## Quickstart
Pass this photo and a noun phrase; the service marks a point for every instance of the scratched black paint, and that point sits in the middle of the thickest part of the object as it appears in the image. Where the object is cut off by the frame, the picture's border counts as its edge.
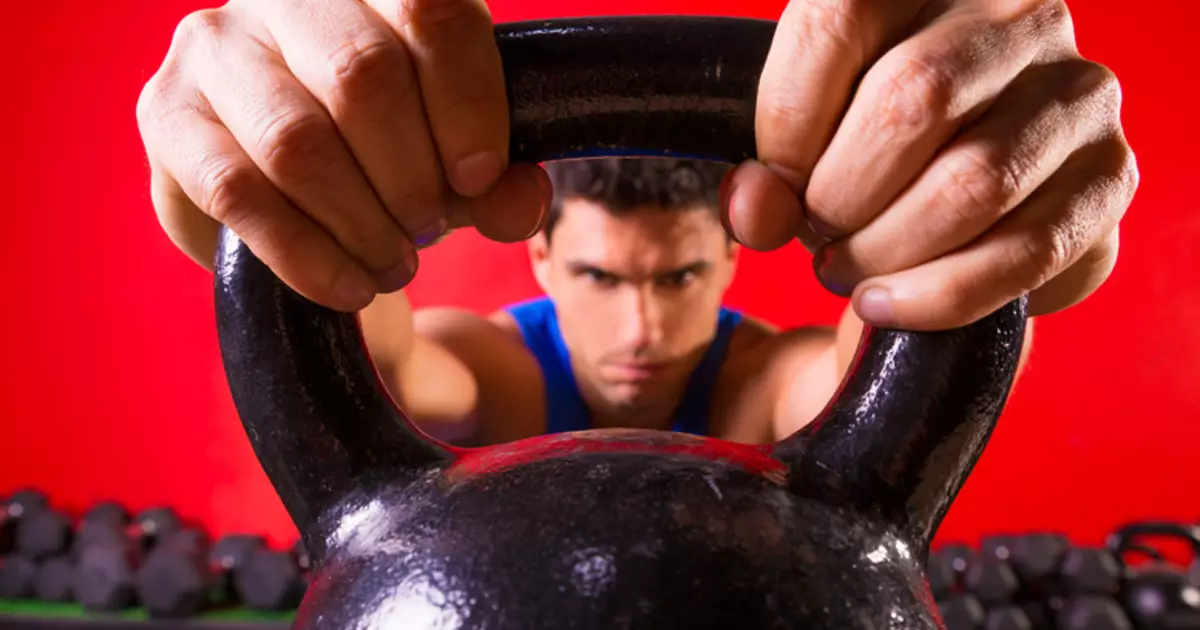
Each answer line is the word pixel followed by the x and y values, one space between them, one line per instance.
pixel 575 537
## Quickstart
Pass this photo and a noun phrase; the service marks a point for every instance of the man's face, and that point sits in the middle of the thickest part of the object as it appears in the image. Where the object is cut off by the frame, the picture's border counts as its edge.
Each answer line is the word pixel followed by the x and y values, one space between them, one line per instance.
pixel 637 296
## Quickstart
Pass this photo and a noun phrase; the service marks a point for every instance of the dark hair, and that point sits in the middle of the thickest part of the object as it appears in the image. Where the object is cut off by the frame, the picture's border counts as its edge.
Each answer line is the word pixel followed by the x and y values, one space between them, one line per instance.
pixel 622 185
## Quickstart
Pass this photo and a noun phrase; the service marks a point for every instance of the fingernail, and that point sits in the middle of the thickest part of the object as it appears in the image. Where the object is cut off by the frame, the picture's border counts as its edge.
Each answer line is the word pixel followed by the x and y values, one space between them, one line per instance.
pixel 354 289
pixel 875 307
pixel 833 273
pixel 429 234
pixel 821 228
pixel 399 276
pixel 475 174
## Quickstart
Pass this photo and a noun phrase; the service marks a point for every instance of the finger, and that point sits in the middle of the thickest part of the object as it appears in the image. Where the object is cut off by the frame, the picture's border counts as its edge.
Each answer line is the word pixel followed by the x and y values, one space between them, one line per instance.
pixel 293 141
pixel 453 47
pixel 454 55
pixel 759 210
pixel 1078 207
pixel 983 174
pixel 502 214
pixel 819 50
pixel 352 62
pixel 1079 280
pixel 220 184
pixel 186 225
pixel 914 99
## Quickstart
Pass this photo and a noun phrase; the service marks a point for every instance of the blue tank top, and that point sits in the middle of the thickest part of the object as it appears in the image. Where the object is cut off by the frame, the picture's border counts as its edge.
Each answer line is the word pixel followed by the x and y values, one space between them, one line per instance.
pixel 565 408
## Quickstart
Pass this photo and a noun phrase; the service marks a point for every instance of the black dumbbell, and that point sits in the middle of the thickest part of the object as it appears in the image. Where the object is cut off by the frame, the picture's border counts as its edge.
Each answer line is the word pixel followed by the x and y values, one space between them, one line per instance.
pixel 1036 559
pixel 104 574
pixel 1092 612
pixel 961 556
pixel 992 581
pixel 227 557
pixel 154 524
pixel 21 504
pixel 303 560
pixel 44 534
pixel 271 580
pixel 1090 571
pixel 175 581
pixel 943 579
pixel 55 578
pixel 962 612
pixel 1007 618
pixel 997 547
pixel 17 574
pixel 103 522
pixel 1159 595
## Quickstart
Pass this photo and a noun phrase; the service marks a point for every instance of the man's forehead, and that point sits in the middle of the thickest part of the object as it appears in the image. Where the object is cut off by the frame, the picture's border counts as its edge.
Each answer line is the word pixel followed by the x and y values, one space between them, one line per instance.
pixel 643 242
pixel 583 220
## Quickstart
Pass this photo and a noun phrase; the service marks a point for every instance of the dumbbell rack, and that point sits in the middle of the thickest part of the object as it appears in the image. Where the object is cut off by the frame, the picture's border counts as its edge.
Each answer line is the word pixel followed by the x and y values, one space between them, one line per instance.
pixel 109 570
pixel 34 615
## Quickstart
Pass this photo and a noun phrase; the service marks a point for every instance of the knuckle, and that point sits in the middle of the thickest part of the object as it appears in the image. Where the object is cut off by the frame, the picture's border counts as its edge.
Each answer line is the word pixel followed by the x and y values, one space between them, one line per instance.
pixel 200 26
pixel 439 18
pixel 919 92
pixel 983 182
pixel 1043 254
pixel 226 189
pixel 365 66
pixel 1121 169
pixel 295 145
pixel 836 26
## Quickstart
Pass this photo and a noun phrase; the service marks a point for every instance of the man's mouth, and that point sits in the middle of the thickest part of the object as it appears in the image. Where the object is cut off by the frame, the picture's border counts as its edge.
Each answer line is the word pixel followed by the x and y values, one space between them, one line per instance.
pixel 638 371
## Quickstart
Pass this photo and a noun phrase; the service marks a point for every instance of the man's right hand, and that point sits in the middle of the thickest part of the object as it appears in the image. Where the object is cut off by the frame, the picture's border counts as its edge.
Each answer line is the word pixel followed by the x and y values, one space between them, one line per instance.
pixel 335 138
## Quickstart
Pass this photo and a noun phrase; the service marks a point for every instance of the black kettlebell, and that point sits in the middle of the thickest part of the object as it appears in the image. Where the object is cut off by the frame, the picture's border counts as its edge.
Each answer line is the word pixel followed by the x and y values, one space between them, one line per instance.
pixel 613 529
pixel 1159 595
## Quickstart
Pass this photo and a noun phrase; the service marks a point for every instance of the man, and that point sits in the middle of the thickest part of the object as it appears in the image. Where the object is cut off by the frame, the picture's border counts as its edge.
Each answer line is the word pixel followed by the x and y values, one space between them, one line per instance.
pixel 940 157
pixel 634 262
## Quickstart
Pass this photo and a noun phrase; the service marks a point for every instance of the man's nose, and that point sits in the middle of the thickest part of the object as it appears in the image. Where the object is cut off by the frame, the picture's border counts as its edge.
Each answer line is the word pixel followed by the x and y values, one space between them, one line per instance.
pixel 641 319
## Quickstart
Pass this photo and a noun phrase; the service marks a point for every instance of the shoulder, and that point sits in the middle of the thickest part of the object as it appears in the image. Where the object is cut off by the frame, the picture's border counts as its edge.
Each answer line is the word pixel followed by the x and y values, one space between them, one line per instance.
pixel 507 376
pixel 764 364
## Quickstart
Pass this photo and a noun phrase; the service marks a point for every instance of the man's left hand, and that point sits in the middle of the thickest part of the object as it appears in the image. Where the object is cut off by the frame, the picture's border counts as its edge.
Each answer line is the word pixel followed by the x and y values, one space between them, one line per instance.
pixel 939 157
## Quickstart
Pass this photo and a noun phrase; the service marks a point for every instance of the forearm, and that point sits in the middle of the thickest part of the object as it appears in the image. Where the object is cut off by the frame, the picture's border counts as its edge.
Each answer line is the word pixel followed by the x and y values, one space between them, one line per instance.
pixel 387 326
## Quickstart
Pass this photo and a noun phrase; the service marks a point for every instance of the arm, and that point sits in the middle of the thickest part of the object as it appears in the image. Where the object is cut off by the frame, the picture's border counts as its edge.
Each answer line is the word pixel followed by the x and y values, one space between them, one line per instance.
pixel 807 368
pixel 449 366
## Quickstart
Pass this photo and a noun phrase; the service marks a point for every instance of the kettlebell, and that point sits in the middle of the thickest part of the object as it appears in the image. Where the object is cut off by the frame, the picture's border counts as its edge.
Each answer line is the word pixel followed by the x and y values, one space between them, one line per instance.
pixel 1159 595
pixel 613 529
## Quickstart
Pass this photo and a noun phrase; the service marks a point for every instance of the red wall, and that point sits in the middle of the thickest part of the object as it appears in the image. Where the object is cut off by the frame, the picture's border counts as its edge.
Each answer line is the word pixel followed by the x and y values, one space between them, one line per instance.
pixel 112 385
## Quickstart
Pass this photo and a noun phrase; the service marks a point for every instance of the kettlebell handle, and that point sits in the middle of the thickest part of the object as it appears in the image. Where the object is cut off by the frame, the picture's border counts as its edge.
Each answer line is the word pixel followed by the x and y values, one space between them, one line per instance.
pixel 1124 539
pixel 903 431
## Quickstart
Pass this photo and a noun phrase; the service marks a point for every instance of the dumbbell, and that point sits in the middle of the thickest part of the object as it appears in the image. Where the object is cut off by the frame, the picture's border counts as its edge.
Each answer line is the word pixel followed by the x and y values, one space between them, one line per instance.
pixel 1036 558
pixel 942 577
pixel 21 504
pixel 1160 595
pixel 227 557
pixel 105 570
pixel 962 612
pixel 44 534
pixel 271 580
pixel 17 575
pixel 175 581
pixel 103 522
pixel 1090 571
pixel 55 579
pixel 992 581
pixel 1092 612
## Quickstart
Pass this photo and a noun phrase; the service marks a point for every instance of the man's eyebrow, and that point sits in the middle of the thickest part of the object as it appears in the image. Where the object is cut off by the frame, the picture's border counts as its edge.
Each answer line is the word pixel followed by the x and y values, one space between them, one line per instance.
pixel 695 266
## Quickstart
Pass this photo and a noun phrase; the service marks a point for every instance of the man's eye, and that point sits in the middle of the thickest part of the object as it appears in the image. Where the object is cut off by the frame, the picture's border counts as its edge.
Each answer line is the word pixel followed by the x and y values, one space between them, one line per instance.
pixel 599 277
pixel 679 279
